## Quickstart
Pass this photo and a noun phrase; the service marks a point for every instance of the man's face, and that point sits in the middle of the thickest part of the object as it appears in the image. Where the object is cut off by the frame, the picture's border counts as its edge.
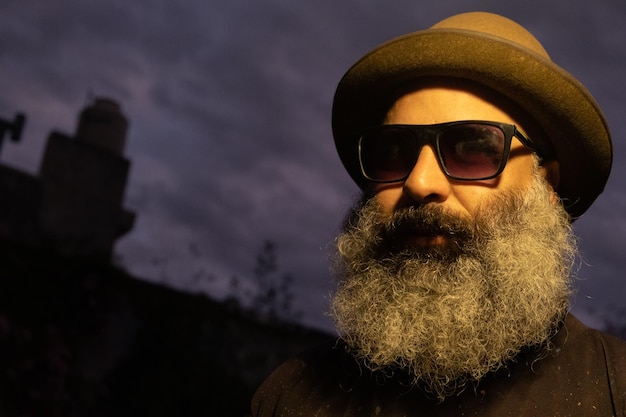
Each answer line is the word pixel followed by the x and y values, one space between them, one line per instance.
pixel 448 280
pixel 427 183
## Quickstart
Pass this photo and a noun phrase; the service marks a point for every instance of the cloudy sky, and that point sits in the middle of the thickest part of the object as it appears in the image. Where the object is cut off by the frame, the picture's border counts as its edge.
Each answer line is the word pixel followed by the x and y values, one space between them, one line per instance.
pixel 229 106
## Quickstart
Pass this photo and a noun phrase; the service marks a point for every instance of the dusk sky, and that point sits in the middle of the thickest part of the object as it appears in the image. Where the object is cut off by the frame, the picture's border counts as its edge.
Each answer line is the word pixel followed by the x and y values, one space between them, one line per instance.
pixel 229 107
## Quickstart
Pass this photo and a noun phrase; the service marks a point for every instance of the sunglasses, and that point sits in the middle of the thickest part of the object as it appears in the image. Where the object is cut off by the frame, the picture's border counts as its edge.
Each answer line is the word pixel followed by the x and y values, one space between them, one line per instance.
pixel 466 150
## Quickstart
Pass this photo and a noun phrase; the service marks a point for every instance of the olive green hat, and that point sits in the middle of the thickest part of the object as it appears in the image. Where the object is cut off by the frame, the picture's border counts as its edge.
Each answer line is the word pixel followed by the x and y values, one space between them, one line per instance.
pixel 497 53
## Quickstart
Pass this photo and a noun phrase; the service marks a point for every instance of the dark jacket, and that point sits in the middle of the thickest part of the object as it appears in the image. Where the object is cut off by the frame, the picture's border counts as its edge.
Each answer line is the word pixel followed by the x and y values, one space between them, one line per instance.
pixel 584 374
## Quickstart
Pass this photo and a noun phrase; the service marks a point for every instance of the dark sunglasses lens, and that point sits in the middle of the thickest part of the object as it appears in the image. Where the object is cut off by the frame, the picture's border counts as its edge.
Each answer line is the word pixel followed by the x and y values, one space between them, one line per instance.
pixel 472 151
pixel 387 153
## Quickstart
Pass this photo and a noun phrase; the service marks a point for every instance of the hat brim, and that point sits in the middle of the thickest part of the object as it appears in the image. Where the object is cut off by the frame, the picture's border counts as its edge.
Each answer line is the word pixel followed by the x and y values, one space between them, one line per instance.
pixel 563 108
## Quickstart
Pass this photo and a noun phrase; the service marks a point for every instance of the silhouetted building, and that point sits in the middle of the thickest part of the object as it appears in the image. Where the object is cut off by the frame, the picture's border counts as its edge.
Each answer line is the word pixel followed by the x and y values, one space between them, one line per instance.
pixel 85 338
pixel 74 206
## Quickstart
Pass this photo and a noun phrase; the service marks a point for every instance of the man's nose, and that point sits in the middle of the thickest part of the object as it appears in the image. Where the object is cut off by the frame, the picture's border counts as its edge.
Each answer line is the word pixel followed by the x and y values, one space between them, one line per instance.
pixel 427 183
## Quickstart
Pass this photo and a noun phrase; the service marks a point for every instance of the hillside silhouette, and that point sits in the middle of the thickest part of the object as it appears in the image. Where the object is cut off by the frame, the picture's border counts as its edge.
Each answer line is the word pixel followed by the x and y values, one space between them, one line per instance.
pixel 82 338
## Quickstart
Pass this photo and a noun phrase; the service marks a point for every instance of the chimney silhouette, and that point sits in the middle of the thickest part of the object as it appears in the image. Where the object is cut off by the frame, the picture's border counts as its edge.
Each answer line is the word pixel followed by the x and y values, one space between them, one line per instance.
pixel 103 125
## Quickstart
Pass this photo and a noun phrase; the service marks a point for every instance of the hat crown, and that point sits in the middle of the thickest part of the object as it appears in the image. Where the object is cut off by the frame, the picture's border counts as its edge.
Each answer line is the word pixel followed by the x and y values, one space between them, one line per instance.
pixel 495 25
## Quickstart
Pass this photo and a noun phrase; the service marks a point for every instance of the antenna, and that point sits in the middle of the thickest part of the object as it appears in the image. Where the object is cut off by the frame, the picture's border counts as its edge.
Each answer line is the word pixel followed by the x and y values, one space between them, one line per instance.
pixel 14 128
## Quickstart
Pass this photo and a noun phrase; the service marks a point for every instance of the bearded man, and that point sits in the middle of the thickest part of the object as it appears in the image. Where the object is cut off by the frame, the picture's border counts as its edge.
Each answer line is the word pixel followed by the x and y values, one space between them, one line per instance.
pixel 475 152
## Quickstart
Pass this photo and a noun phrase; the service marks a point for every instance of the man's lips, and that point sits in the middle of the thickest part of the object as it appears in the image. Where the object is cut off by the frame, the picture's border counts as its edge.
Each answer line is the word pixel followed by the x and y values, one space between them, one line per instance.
pixel 423 237
pixel 425 240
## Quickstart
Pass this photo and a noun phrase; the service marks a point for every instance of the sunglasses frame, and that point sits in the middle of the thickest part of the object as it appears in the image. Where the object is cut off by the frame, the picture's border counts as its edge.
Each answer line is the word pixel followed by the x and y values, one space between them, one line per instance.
pixel 429 135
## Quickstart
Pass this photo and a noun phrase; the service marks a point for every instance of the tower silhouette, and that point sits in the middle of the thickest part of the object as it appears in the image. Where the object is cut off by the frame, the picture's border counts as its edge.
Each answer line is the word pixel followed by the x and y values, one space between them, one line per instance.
pixel 74 207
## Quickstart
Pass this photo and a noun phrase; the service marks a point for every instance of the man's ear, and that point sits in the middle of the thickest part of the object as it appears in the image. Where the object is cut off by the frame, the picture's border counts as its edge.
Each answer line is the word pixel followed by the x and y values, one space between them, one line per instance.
pixel 551 172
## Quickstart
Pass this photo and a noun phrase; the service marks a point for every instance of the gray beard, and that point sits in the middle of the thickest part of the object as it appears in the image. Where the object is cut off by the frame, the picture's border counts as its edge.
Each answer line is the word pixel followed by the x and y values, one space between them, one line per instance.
pixel 449 315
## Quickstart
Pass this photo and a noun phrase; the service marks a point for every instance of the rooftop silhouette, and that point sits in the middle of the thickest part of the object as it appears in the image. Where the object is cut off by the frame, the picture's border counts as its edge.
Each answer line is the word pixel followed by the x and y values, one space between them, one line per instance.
pixel 74 206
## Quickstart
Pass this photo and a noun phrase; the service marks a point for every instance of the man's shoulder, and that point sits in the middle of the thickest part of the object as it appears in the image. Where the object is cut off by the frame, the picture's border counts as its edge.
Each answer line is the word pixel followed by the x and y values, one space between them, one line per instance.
pixel 601 357
pixel 301 378
pixel 591 342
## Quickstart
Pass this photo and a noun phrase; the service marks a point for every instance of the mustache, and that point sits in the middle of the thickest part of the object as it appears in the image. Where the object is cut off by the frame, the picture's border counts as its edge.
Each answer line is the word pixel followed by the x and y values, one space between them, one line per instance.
pixel 427 220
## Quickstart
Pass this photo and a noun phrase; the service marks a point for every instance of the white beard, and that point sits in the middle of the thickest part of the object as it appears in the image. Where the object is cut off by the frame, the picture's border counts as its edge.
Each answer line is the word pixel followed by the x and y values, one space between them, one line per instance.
pixel 447 317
